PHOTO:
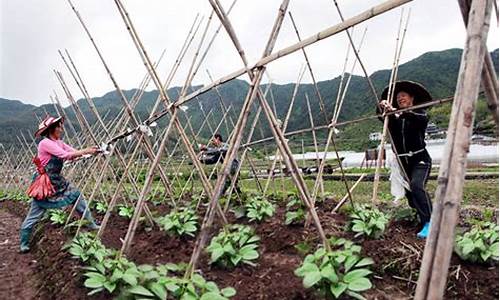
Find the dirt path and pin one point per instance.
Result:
(17, 271)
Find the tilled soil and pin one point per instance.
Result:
(397, 260)
(17, 272)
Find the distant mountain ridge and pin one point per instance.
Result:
(436, 70)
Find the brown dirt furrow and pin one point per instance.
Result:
(17, 272)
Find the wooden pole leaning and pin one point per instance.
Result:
(488, 75)
(390, 95)
(81, 85)
(284, 126)
(326, 33)
(205, 182)
(236, 136)
(449, 192)
(132, 118)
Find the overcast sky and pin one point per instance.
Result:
(31, 32)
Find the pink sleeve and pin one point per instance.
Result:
(52, 148)
(67, 147)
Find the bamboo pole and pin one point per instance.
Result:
(311, 73)
(206, 184)
(449, 192)
(331, 132)
(326, 33)
(92, 136)
(133, 119)
(316, 149)
(81, 85)
(237, 133)
(390, 97)
(344, 199)
(356, 53)
(370, 117)
(285, 126)
(488, 75)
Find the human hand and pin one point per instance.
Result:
(386, 105)
(92, 150)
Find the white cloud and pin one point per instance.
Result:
(32, 31)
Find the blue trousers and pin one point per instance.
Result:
(36, 213)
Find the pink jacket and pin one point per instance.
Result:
(48, 148)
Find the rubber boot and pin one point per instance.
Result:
(425, 231)
(87, 215)
(93, 225)
(25, 240)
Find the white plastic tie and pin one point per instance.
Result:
(145, 129)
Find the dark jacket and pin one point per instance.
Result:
(215, 154)
(408, 135)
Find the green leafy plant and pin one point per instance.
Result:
(407, 214)
(295, 210)
(197, 287)
(303, 247)
(106, 271)
(480, 244)
(57, 216)
(101, 207)
(258, 208)
(126, 211)
(235, 244)
(338, 271)
(88, 249)
(179, 222)
(368, 221)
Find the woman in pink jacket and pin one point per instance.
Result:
(52, 152)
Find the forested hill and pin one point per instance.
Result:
(435, 70)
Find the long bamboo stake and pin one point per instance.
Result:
(81, 85)
(133, 119)
(205, 182)
(285, 126)
(390, 98)
(326, 33)
(311, 73)
(488, 75)
(237, 136)
(449, 192)
(339, 124)
(344, 199)
(316, 149)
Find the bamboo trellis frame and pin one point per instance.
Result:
(476, 66)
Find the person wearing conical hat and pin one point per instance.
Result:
(52, 152)
(407, 131)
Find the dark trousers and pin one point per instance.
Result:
(418, 198)
(234, 168)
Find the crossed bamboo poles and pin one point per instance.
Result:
(255, 72)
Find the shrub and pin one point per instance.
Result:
(126, 211)
(407, 214)
(101, 207)
(368, 221)
(235, 244)
(198, 288)
(179, 222)
(86, 248)
(116, 275)
(258, 208)
(57, 216)
(480, 244)
(295, 210)
(335, 272)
